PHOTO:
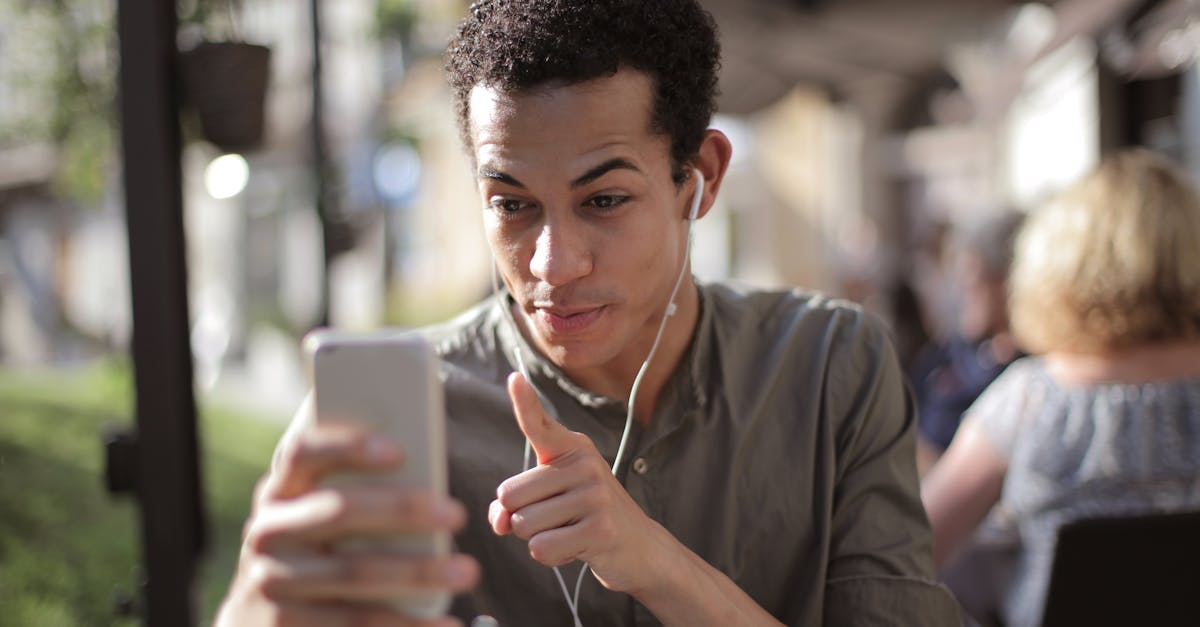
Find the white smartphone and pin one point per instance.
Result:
(388, 380)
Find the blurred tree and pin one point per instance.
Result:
(395, 19)
(61, 64)
(210, 19)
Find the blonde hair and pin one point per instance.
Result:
(1113, 262)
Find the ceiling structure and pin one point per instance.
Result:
(878, 53)
(843, 46)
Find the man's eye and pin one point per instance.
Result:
(507, 205)
(606, 202)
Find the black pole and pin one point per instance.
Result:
(166, 473)
(320, 164)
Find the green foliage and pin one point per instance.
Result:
(395, 19)
(86, 154)
(216, 19)
(66, 546)
(63, 59)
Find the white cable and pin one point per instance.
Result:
(662, 326)
(573, 600)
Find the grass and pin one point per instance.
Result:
(66, 546)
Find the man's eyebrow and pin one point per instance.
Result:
(604, 168)
(487, 172)
(618, 163)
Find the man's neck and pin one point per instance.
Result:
(676, 338)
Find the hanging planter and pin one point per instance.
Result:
(226, 84)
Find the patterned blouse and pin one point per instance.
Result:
(1080, 451)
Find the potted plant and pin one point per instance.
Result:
(225, 78)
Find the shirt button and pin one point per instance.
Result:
(640, 466)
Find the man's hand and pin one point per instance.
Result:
(288, 572)
(570, 507)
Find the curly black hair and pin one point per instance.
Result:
(515, 45)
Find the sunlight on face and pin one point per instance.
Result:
(585, 221)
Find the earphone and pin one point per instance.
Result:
(671, 308)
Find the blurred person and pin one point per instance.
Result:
(949, 374)
(771, 476)
(902, 311)
(1105, 419)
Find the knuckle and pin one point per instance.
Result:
(408, 506)
(545, 552)
(259, 537)
(582, 442)
(510, 502)
(600, 527)
(596, 469)
(594, 497)
(262, 579)
(538, 550)
(521, 526)
(427, 573)
(357, 570)
(338, 506)
(504, 493)
(355, 441)
(328, 444)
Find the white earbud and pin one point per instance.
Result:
(697, 197)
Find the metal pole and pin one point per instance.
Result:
(164, 453)
(320, 163)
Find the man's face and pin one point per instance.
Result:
(585, 221)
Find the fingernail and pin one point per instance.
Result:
(382, 450)
(448, 512)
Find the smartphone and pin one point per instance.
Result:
(388, 381)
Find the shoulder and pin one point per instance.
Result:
(469, 338)
(1010, 403)
(1022, 379)
(804, 346)
(794, 314)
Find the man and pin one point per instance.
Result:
(770, 473)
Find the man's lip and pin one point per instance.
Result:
(566, 312)
(568, 320)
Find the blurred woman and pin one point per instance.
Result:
(1105, 419)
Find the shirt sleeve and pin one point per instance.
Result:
(1003, 408)
(880, 567)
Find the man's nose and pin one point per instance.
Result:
(560, 255)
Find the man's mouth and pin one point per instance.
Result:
(567, 320)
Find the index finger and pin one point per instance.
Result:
(324, 448)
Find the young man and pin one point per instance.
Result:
(769, 477)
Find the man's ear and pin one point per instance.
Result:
(712, 160)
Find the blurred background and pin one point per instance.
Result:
(866, 134)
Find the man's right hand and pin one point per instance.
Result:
(288, 572)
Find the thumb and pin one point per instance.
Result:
(548, 438)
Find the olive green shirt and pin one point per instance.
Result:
(781, 451)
